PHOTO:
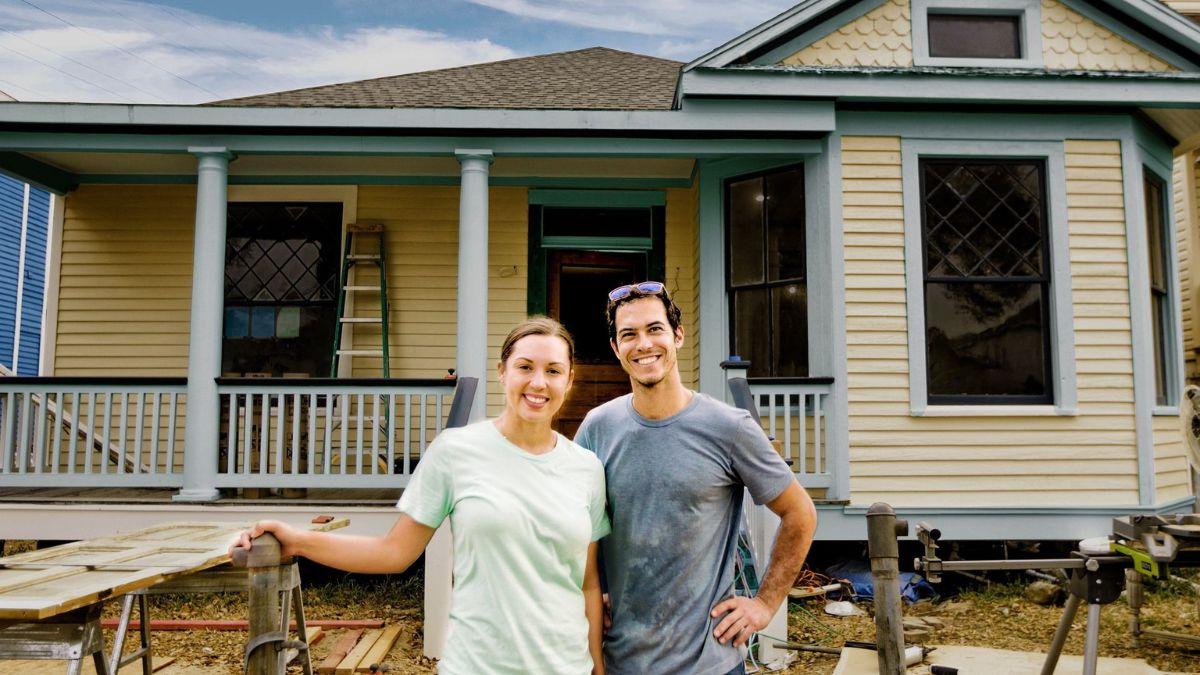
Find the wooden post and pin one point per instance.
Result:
(882, 530)
(266, 570)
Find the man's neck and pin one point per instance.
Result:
(663, 400)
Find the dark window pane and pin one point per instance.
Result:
(746, 232)
(978, 36)
(1157, 312)
(1154, 227)
(789, 335)
(237, 322)
(584, 291)
(986, 339)
(564, 221)
(784, 199)
(983, 219)
(262, 322)
(751, 337)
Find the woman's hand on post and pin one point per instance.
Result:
(288, 536)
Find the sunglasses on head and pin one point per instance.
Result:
(643, 288)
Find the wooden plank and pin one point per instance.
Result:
(340, 649)
(379, 651)
(356, 655)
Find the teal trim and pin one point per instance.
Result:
(816, 32)
(967, 126)
(837, 522)
(506, 181)
(954, 88)
(827, 189)
(762, 35)
(38, 174)
(598, 198)
(599, 243)
(409, 146)
(1126, 31)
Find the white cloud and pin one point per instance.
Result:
(690, 18)
(131, 51)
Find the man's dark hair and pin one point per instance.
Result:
(674, 315)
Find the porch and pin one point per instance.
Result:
(469, 242)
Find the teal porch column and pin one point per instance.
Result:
(204, 342)
(471, 357)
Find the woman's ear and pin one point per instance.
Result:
(500, 371)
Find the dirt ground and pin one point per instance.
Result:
(997, 616)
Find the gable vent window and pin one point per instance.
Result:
(974, 36)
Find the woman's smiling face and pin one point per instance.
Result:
(536, 377)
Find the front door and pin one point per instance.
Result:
(577, 286)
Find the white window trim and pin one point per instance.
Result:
(1030, 12)
(1062, 329)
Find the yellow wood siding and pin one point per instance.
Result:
(1185, 239)
(422, 236)
(125, 281)
(681, 275)
(1171, 473)
(986, 461)
(1070, 41)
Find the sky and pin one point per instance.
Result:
(189, 51)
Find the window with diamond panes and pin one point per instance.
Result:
(765, 253)
(281, 276)
(987, 281)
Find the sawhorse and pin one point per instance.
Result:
(71, 636)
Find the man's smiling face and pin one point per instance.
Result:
(645, 344)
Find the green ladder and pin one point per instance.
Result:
(351, 258)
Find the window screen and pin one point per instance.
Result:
(976, 36)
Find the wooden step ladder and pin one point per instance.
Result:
(351, 257)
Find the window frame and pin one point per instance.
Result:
(729, 288)
(1060, 323)
(1029, 31)
(1169, 339)
(1045, 280)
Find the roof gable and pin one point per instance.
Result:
(879, 33)
(597, 78)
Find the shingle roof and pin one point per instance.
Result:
(597, 78)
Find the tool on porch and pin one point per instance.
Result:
(351, 258)
(1139, 546)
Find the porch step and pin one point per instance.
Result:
(364, 288)
(360, 352)
(360, 319)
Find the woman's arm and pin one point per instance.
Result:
(593, 607)
(388, 554)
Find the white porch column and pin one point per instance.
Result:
(204, 342)
(471, 360)
(471, 357)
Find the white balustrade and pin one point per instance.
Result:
(793, 413)
(69, 431)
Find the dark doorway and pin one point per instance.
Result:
(577, 285)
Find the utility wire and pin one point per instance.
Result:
(80, 63)
(122, 49)
(9, 86)
(52, 67)
(144, 27)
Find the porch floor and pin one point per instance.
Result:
(315, 497)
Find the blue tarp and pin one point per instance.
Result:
(913, 587)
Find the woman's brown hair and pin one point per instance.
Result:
(538, 325)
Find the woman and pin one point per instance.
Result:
(526, 507)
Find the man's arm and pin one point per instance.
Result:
(798, 523)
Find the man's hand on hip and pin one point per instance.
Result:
(743, 617)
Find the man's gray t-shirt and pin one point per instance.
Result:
(675, 503)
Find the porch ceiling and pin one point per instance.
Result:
(86, 164)
(1182, 123)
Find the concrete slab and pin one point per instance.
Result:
(984, 660)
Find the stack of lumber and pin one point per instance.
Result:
(357, 650)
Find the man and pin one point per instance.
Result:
(676, 462)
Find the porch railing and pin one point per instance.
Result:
(792, 412)
(75, 431)
(358, 433)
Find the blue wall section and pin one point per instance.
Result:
(12, 205)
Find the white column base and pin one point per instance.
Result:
(197, 495)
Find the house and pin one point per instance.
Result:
(940, 231)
